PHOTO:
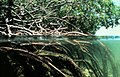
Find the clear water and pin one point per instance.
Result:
(114, 46)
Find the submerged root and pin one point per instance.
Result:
(22, 63)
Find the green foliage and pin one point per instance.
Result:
(85, 16)
(118, 15)
(91, 15)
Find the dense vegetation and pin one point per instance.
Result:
(73, 15)
(69, 52)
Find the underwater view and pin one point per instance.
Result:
(114, 46)
(65, 56)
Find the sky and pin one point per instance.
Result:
(115, 31)
(116, 2)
